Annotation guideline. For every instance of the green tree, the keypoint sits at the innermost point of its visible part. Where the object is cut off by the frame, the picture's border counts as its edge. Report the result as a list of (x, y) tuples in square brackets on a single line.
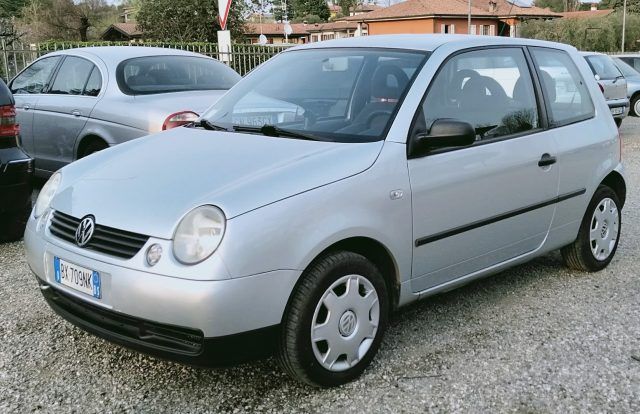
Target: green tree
[(278, 9), (305, 8), (633, 6), (11, 8), (187, 20)]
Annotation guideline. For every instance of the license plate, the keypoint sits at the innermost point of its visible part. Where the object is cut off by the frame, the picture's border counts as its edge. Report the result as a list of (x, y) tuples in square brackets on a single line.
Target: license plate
[(617, 111), (77, 277)]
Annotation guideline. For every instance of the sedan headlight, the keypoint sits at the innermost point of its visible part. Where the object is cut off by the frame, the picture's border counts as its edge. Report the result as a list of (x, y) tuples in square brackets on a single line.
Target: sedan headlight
[(199, 234), (46, 195)]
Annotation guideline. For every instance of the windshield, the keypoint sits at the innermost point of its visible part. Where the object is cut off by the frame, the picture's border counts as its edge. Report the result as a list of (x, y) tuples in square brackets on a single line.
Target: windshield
[(343, 95), (162, 74)]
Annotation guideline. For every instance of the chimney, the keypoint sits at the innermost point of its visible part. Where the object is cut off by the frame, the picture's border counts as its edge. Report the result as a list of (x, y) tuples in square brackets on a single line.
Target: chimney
[(493, 6)]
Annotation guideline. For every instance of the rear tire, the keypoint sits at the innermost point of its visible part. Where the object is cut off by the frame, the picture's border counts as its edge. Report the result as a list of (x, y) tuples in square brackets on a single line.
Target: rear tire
[(599, 233), (94, 146), (635, 105), (335, 320), (618, 122)]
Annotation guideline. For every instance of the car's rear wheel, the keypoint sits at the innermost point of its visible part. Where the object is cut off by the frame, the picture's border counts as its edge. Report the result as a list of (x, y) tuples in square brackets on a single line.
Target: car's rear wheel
[(635, 105), (599, 233), (335, 320), (93, 146)]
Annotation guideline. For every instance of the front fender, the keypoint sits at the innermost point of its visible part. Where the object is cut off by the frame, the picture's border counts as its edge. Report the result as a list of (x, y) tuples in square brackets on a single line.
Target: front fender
[(290, 233)]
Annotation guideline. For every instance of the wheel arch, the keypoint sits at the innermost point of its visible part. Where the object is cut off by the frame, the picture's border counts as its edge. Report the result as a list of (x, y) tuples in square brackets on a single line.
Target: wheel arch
[(377, 253), (615, 181), (85, 141)]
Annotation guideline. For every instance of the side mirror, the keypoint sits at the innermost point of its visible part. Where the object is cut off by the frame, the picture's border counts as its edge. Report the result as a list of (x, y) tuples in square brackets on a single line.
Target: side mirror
[(444, 133)]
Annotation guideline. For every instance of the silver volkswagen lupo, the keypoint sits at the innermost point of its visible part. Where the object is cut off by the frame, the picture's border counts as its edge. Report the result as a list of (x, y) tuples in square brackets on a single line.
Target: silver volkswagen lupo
[(334, 184)]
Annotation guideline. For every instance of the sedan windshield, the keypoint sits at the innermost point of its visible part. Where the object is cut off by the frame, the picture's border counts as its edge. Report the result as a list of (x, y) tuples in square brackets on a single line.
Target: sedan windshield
[(343, 95)]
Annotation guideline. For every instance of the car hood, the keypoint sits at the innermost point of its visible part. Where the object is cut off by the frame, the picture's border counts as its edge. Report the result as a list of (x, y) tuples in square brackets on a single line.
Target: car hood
[(148, 184)]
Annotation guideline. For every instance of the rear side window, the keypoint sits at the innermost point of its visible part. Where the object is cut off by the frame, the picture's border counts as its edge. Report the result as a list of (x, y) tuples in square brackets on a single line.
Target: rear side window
[(94, 84), (490, 89), (633, 62), (565, 91), (72, 76), (162, 74), (35, 77), (603, 67)]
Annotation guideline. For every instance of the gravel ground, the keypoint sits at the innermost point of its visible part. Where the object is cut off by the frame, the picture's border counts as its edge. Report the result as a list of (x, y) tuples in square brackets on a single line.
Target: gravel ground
[(535, 339)]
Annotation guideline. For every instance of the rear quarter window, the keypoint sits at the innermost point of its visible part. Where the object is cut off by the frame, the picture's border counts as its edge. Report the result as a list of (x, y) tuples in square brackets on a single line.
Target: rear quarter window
[(164, 74), (566, 93)]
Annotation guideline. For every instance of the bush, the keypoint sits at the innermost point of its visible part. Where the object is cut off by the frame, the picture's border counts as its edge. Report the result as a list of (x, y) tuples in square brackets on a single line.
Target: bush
[(596, 34)]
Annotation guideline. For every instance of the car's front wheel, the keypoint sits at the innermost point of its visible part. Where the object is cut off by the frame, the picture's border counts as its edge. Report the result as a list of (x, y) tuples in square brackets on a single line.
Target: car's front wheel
[(599, 233), (335, 320)]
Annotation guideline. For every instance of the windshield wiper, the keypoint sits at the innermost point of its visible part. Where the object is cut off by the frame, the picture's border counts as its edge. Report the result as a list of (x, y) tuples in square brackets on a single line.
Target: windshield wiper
[(274, 131), (210, 126)]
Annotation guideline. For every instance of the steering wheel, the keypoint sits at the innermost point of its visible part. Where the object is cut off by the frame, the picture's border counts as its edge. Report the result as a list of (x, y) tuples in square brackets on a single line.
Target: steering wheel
[(375, 114), (456, 82)]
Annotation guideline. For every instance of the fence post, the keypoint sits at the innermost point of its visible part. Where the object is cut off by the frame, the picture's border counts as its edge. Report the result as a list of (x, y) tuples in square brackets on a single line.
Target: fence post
[(5, 60)]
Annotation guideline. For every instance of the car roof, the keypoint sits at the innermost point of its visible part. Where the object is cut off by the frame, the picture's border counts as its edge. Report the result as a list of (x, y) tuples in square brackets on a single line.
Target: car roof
[(428, 42), (112, 55)]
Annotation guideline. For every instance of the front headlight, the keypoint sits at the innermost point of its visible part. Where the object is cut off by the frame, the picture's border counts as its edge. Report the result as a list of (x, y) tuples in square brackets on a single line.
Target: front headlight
[(46, 195), (199, 234)]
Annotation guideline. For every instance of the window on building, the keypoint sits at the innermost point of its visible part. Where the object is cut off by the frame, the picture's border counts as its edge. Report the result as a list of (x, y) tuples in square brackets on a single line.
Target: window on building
[(448, 28), (487, 30)]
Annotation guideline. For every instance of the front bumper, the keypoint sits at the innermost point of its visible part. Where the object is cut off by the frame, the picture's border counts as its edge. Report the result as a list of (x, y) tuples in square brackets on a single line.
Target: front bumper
[(136, 302), (171, 342)]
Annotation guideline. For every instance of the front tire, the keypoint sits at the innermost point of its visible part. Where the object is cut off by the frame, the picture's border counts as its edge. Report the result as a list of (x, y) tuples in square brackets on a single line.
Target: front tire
[(335, 320), (599, 233), (635, 105)]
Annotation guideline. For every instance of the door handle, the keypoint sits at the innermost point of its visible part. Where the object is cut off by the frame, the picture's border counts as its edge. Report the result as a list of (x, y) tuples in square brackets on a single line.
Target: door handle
[(75, 112), (547, 160)]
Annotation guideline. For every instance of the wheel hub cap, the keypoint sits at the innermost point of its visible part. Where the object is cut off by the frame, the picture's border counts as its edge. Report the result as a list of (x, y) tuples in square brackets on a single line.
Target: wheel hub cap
[(345, 323), (605, 225)]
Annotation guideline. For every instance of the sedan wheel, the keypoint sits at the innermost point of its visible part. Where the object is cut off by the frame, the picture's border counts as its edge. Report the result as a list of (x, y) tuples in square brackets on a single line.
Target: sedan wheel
[(344, 326), (605, 225), (599, 233), (335, 320)]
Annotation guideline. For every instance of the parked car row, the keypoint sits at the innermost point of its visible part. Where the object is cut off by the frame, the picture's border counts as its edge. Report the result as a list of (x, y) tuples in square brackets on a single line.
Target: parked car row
[(333, 184)]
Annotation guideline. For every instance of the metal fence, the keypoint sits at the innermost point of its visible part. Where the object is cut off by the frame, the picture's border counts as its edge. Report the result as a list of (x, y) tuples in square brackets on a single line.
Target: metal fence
[(15, 55)]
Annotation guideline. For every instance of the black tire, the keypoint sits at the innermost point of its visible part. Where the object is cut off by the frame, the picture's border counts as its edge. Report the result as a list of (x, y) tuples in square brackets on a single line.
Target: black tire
[(94, 146), (634, 102), (295, 349), (618, 122), (578, 255), (12, 226)]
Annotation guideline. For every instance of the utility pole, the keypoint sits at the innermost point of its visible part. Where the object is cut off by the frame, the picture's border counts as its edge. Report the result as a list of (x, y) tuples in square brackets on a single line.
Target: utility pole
[(469, 19), (624, 22)]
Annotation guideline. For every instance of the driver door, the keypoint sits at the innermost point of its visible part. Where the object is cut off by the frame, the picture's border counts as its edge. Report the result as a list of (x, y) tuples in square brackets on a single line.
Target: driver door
[(477, 206)]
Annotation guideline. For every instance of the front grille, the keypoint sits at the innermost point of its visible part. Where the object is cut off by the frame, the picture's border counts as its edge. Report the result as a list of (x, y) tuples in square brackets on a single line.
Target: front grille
[(108, 240), (124, 328)]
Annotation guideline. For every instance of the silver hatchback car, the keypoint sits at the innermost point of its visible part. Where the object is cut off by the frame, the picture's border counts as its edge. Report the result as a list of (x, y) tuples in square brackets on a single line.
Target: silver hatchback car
[(386, 169), (79, 101), (612, 83)]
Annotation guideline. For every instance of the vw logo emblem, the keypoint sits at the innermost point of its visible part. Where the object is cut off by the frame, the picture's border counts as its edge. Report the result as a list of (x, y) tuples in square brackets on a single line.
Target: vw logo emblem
[(347, 323), (84, 233)]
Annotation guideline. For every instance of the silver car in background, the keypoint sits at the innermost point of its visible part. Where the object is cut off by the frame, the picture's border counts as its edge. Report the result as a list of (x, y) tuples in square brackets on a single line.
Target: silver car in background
[(632, 76), (75, 102), (333, 184), (611, 82)]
